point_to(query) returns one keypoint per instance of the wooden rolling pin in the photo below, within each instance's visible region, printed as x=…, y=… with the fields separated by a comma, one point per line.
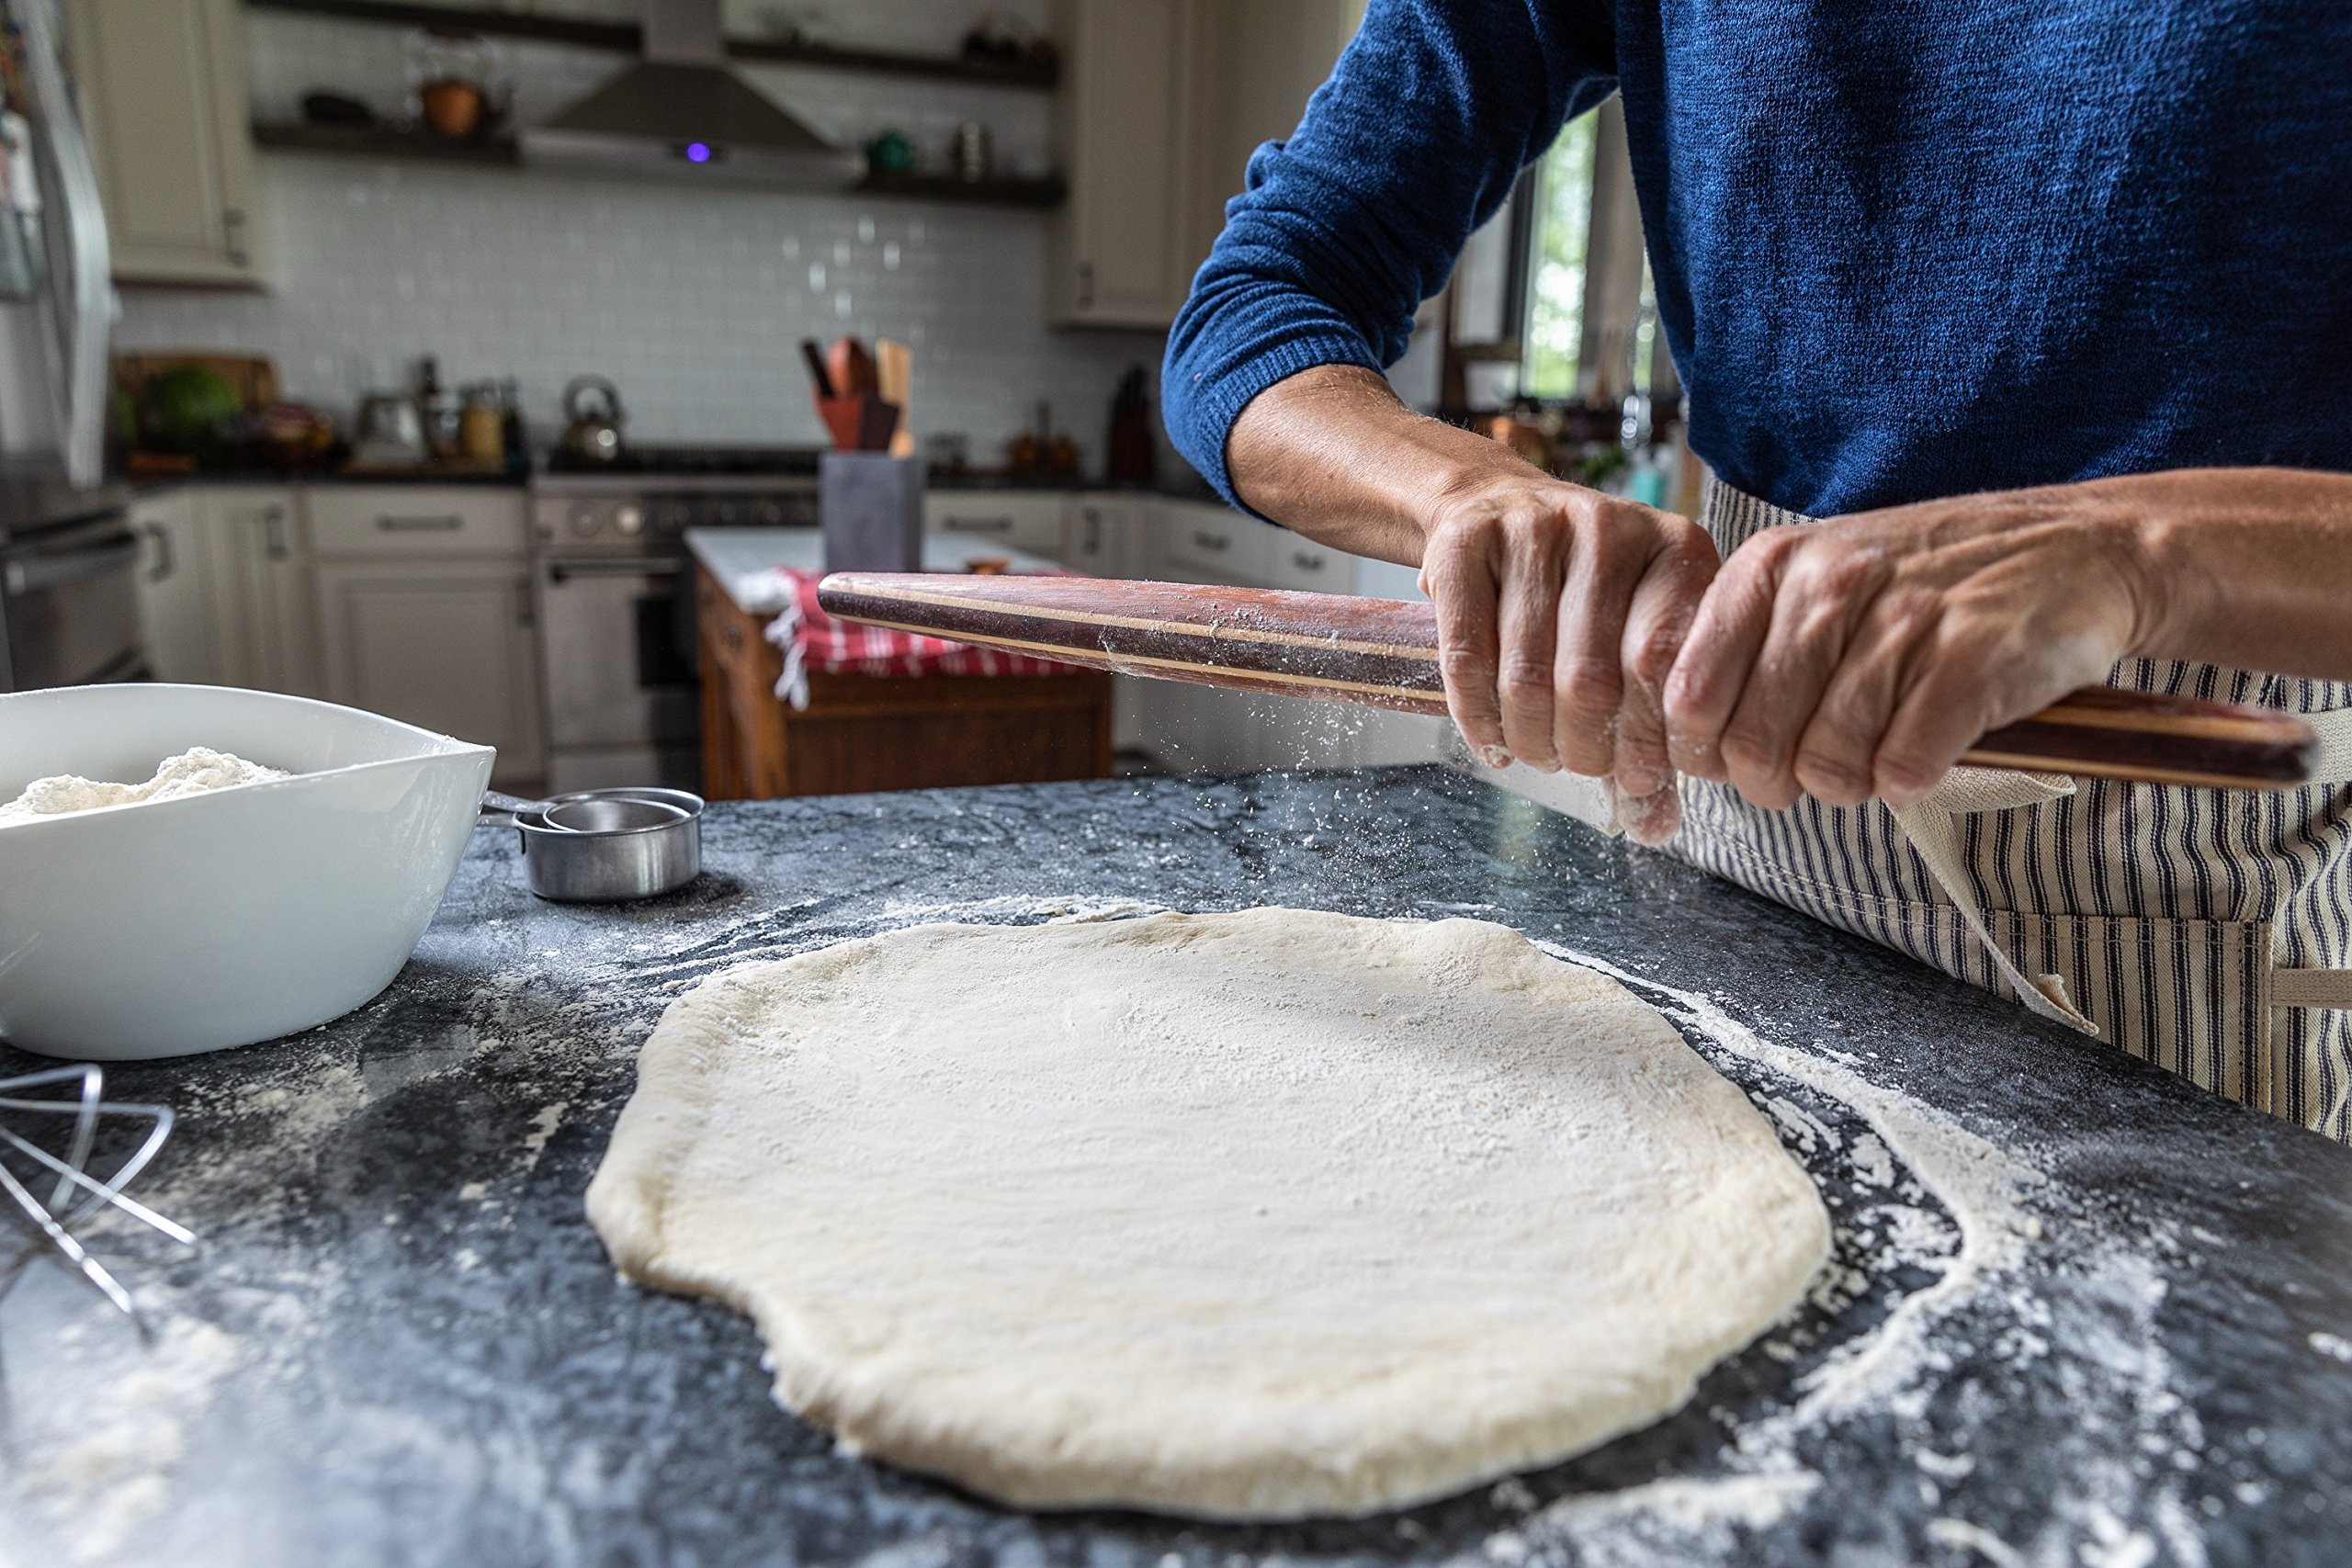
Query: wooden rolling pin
x=1383, y=653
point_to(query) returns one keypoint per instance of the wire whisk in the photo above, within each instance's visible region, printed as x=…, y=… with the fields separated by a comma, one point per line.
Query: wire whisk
x=77, y=1194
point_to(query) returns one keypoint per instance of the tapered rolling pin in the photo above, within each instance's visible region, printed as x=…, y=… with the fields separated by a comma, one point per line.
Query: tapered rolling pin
x=1383, y=653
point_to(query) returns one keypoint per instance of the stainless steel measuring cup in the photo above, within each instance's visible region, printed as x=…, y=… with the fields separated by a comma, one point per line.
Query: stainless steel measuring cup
x=602, y=846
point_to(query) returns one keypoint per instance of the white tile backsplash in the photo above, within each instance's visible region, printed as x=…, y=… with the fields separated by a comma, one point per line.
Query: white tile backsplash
x=693, y=300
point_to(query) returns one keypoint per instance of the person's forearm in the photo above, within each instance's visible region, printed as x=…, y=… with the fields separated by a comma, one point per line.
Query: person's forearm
x=1332, y=453
x=2250, y=568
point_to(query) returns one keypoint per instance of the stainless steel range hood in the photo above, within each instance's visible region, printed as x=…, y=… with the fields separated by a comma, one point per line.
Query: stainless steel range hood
x=682, y=114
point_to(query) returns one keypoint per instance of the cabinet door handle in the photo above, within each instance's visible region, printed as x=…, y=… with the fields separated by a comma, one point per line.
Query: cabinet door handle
x=232, y=231
x=443, y=523
x=1213, y=542
x=979, y=525
x=165, y=565
x=1305, y=562
x=1085, y=284
x=525, y=617
x=273, y=525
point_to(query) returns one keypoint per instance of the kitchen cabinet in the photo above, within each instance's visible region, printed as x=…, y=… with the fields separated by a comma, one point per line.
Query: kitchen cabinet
x=1163, y=102
x=1034, y=522
x=445, y=644
x=265, y=610
x=1199, y=541
x=1297, y=562
x=179, y=618
x=224, y=588
x=424, y=613
x=1129, y=128
x=161, y=87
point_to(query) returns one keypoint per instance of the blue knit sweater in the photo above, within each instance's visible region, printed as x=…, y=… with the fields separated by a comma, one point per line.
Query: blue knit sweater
x=1903, y=248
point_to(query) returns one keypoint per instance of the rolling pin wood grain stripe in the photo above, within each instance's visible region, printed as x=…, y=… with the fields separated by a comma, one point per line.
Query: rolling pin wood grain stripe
x=1383, y=653
x=1360, y=694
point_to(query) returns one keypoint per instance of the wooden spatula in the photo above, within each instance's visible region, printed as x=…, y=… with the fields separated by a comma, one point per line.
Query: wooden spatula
x=1383, y=653
x=894, y=370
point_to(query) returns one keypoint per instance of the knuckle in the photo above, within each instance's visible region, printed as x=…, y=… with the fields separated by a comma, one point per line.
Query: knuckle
x=1747, y=751
x=1464, y=666
x=1832, y=777
x=1907, y=769
x=1654, y=653
x=1525, y=681
x=1590, y=687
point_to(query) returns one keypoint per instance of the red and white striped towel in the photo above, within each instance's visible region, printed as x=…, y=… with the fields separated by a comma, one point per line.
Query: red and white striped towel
x=813, y=640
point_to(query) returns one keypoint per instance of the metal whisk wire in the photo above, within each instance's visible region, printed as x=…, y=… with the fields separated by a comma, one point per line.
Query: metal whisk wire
x=78, y=1194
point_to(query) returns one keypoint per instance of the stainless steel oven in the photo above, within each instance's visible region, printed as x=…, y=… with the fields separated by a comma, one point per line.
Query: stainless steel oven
x=69, y=606
x=617, y=640
x=615, y=589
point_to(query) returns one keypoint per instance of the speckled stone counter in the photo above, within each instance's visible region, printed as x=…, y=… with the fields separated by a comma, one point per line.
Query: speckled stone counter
x=2079, y=1313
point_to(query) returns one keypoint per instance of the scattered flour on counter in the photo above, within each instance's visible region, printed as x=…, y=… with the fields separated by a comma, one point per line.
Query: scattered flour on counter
x=108, y=1468
x=1014, y=907
x=193, y=772
x=2122, y=1481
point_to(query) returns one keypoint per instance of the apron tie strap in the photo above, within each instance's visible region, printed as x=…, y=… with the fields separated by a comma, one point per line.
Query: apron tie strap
x=1932, y=825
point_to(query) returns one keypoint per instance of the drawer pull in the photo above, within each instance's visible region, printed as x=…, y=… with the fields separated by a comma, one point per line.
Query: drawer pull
x=1305, y=562
x=442, y=523
x=979, y=524
x=1209, y=541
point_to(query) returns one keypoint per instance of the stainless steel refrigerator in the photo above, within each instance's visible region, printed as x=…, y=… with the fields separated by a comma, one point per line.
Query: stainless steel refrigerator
x=69, y=611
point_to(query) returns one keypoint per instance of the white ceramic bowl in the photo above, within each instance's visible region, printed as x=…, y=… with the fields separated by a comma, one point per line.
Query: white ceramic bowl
x=171, y=926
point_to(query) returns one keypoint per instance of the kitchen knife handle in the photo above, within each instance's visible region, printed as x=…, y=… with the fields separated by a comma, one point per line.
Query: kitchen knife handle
x=1383, y=653
x=817, y=374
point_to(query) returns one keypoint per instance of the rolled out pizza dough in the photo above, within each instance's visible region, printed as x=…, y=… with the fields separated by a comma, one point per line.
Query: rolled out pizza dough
x=1255, y=1215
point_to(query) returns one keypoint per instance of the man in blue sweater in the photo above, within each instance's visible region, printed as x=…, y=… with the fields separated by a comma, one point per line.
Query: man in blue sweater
x=2044, y=309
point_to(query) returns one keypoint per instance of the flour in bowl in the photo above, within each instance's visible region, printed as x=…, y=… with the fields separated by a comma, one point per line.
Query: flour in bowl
x=193, y=772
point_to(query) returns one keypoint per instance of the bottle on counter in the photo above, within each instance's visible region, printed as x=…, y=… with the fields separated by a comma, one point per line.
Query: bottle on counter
x=518, y=438
x=444, y=410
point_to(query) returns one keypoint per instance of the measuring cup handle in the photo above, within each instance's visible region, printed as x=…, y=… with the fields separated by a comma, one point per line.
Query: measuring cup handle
x=500, y=810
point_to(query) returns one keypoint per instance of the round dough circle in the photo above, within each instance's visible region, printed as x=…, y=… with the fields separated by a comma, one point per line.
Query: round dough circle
x=1257, y=1215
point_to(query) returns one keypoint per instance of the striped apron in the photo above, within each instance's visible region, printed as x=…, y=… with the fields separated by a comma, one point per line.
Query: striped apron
x=2209, y=931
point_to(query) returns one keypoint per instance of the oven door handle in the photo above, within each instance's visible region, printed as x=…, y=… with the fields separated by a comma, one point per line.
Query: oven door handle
x=38, y=574
x=563, y=570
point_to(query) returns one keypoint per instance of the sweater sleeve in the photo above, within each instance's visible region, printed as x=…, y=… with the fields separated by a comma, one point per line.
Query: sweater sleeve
x=1344, y=230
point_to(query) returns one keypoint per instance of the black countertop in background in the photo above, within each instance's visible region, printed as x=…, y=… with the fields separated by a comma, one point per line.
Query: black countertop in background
x=2117, y=1331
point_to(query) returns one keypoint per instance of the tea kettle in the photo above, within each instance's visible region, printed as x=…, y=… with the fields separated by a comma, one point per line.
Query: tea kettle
x=591, y=408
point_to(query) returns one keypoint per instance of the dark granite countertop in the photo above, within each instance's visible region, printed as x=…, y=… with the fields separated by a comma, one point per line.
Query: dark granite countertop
x=2079, y=1313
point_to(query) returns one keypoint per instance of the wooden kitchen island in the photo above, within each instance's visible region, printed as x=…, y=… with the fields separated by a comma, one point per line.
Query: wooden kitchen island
x=870, y=732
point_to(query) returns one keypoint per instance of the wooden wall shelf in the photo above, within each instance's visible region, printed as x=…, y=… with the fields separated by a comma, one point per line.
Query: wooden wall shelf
x=382, y=142
x=502, y=152
x=625, y=38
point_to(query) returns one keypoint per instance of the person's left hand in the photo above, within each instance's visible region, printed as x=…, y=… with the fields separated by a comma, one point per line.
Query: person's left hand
x=1861, y=656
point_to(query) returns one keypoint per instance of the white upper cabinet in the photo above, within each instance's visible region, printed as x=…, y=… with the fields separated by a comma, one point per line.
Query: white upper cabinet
x=161, y=87
x=1162, y=104
x=1128, y=123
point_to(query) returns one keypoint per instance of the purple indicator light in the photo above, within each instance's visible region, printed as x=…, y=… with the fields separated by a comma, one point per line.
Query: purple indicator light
x=697, y=152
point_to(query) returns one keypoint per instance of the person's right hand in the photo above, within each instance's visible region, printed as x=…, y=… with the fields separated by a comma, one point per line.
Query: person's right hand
x=1559, y=613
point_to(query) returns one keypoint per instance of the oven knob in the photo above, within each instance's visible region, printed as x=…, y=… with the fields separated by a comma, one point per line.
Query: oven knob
x=672, y=517
x=771, y=514
x=729, y=513
x=628, y=517
x=586, y=519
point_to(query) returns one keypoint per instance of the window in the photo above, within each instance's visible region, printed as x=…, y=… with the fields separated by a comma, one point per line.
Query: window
x=1560, y=228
